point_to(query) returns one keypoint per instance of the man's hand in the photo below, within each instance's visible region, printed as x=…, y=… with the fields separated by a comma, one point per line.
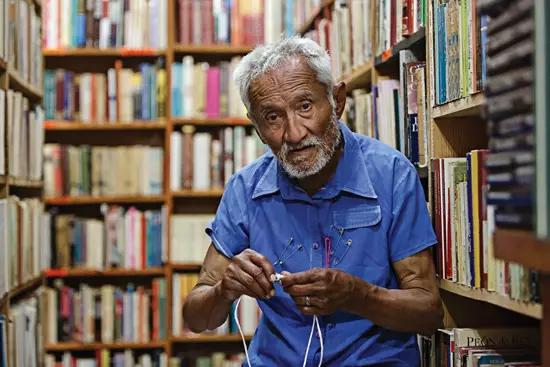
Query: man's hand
x=328, y=289
x=248, y=273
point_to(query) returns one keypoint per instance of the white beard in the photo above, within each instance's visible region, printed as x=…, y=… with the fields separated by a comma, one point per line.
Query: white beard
x=325, y=151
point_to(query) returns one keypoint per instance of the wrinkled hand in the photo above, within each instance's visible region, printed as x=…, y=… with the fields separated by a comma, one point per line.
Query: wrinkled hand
x=248, y=273
x=328, y=289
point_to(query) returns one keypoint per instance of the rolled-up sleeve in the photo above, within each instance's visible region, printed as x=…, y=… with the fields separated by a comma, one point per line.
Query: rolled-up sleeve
x=411, y=230
x=229, y=229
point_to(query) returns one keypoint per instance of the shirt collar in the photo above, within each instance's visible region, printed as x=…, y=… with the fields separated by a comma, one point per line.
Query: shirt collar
x=351, y=175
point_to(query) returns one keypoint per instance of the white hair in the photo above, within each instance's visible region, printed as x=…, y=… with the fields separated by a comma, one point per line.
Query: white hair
x=269, y=56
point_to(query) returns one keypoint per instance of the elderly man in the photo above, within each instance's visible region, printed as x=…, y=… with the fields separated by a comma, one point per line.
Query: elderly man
x=340, y=215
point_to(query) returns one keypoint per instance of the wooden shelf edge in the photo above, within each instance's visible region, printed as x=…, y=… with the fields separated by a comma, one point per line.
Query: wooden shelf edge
x=76, y=346
x=21, y=85
x=23, y=182
x=359, y=76
x=215, y=121
x=83, y=200
x=393, y=52
x=202, y=338
x=466, y=106
x=214, y=49
x=311, y=20
x=530, y=309
x=85, y=272
x=52, y=125
x=522, y=247
x=106, y=52
x=197, y=193
x=24, y=288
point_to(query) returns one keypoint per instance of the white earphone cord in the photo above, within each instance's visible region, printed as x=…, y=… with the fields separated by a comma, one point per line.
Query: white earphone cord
x=315, y=323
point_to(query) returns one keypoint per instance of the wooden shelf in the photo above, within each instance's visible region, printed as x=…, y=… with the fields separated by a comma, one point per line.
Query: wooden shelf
x=24, y=288
x=85, y=200
x=206, y=338
x=217, y=121
x=221, y=49
x=19, y=84
x=416, y=42
x=22, y=182
x=522, y=247
x=186, y=267
x=106, y=52
x=467, y=106
x=311, y=20
x=525, y=308
x=81, y=126
x=83, y=272
x=359, y=78
x=76, y=346
x=197, y=193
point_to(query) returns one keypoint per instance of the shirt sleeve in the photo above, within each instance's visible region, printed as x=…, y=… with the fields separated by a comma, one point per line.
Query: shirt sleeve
x=229, y=229
x=411, y=230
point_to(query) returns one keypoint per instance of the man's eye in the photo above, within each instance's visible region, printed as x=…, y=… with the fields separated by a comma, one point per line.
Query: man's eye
x=306, y=106
x=272, y=117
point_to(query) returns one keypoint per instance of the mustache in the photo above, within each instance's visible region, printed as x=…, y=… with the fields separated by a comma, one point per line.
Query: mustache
x=310, y=141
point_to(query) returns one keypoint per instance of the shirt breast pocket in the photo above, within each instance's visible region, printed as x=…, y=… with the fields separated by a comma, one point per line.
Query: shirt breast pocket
x=360, y=240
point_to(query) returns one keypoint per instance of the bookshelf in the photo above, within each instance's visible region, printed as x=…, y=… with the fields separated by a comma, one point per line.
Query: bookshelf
x=80, y=347
x=122, y=126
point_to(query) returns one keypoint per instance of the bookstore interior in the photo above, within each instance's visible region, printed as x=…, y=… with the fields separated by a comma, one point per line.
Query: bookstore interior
x=120, y=125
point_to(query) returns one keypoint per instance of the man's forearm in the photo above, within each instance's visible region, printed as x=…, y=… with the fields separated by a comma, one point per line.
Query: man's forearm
x=407, y=310
x=205, y=308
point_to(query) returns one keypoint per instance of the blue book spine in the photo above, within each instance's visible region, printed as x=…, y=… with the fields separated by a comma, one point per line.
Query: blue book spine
x=81, y=30
x=436, y=50
x=483, y=21
x=74, y=23
x=443, y=52
x=66, y=94
x=470, y=217
x=150, y=240
x=289, y=18
x=130, y=290
x=145, y=92
x=153, y=91
x=375, y=109
x=176, y=91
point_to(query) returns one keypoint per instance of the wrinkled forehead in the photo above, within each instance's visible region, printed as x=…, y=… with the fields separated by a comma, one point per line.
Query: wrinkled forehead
x=283, y=82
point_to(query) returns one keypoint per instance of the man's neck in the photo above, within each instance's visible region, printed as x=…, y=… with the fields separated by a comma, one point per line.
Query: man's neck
x=312, y=184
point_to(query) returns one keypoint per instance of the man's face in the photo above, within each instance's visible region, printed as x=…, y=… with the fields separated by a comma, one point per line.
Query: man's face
x=295, y=118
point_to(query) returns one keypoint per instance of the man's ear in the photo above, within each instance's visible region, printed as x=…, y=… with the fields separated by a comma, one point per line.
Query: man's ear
x=255, y=127
x=339, y=93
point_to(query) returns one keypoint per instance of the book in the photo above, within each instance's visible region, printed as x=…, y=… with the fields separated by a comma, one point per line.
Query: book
x=205, y=160
x=106, y=313
x=119, y=95
x=114, y=24
x=25, y=137
x=22, y=330
x=202, y=90
x=102, y=171
x=105, y=357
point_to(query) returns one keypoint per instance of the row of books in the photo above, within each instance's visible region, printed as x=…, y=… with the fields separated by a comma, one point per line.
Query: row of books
x=460, y=47
x=188, y=240
x=24, y=231
x=396, y=20
x=485, y=347
x=102, y=171
x=464, y=224
x=130, y=358
x=206, y=160
x=22, y=330
x=395, y=111
x=133, y=24
x=237, y=22
x=203, y=90
x=511, y=167
x=22, y=27
x=106, y=314
x=120, y=95
x=24, y=133
x=249, y=312
x=216, y=359
x=105, y=357
x=123, y=238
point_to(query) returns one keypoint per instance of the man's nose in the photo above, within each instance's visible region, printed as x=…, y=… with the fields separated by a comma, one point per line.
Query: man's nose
x=295, y=131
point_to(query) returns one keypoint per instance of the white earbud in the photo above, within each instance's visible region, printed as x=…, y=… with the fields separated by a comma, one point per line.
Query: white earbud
x=278, y=278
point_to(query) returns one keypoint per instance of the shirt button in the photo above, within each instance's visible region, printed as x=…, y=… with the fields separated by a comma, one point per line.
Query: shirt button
x=315, y=246
x=317, y=335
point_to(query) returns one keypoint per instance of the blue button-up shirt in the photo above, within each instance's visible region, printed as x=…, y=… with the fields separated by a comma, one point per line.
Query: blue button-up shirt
x=374, y=212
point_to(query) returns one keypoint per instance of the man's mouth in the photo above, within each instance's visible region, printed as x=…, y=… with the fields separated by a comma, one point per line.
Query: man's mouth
x=302, y=149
